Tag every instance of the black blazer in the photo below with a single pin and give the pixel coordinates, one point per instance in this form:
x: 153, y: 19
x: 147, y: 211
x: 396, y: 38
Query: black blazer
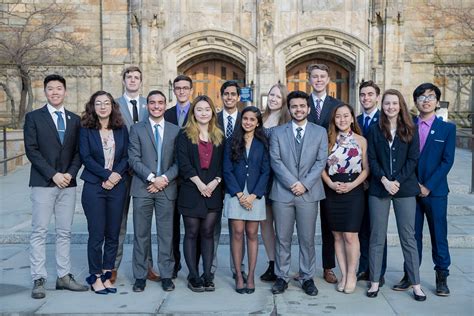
x: 375, y: 120
x: 172, y: 117
x: 45, y: 151
x: 396, y: 163
x: 220, y: 120
x: 92, y: 154
x: 328, y: 106
x: 189, y: 196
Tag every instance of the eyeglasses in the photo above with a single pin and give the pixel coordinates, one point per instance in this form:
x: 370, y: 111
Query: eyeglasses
x: 105, y: 104
x: 185, y: 89
x: 423, y: 98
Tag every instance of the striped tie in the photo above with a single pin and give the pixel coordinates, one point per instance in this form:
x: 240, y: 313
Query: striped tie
x: 318, y: 108
x: 61, y: 126
x: 229, y: 129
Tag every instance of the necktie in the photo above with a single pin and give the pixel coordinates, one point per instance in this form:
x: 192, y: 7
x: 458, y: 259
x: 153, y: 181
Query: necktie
x: 181, y: 118
x: 61, y: 126
x: 365, y: 128
x: 135, y: 110
x: 318, y: 108
x: 298, y: 134
x: 229, y: 129
x: 158, y: 149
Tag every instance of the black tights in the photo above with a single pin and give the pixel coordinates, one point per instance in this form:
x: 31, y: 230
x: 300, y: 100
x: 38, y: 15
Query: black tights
x: 203, y: 228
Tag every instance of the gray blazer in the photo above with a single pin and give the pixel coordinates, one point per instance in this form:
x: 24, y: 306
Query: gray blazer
x: 285, y: 163
x: 127, y: 116
x: 142, y: 158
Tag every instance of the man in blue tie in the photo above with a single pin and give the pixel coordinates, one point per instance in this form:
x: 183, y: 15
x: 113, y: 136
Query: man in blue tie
x: 51, y: 136
x: 153, y: 160
x: 369, y: 96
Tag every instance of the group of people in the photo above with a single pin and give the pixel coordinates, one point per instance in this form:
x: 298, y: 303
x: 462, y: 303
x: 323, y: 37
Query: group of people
x: 270, y: 170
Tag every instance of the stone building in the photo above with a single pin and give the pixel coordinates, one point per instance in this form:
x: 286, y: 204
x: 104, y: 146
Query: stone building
x: 397, y: 43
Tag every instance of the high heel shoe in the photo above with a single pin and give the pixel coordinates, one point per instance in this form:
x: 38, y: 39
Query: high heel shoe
x: 340, y: 287
x: 372, y: 294
x: 242, y: 290
x: 419, y: 298
x: 106, y: 276
x: 350, y: 289
x: 91, y: 280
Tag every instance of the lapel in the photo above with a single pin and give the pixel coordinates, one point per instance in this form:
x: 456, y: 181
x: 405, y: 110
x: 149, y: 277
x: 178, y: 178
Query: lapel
x: 49, y: 120
x: 327, y: 107
x: 375, y: 119
x: 220, y: 120
x: 151, y: 133
x: 360, y: 120
x: 98, y: 141
x: 143, y: 111
x: 166, y: 138
x: 124, y: 110
x: 118, y: 144
x: 253, y: 148
x: 290, y: 138
x: 68, y: 125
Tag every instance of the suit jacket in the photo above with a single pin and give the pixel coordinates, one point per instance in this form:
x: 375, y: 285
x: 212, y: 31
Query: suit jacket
x: 45, y: 151
x: 92, y: 154
x: 396, y: 163
x: 375, y: 120
x: 143, y: 158
x: 222, y: 125
x: 127, y: 116
x: 172, y: 117
x: 286, y: 169
x: 253, y: 169
x: 328, y: 106
x: 189, y: 196
x: 437, y: 157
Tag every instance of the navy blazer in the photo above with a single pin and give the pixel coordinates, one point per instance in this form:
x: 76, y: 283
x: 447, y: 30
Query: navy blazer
x: 437, y: 157
x: 396, y: 163
x: 222, y: 125
x: 92, y: 154
x: 375, y: 120
x: 328, y: 106
x: 253, y: 170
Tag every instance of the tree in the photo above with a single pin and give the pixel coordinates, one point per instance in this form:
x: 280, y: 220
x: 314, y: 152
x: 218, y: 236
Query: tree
x: 32, y: 35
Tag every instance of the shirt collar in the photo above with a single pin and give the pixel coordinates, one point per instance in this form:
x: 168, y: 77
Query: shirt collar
x: 161, y: 123
x: 225, y: 115
x: 185, y: 108
x: 428, y: 122
x: 315, y: 97
x: 371, y: 114
x: 295, y: 126
x: 52, y: 109
x: 125, y: 95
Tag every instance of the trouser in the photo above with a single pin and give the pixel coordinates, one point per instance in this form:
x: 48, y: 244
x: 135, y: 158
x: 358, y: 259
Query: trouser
x: 327, y: 247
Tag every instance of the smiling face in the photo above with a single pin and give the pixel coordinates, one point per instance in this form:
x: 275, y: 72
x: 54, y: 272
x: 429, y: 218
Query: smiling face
x: 368, y: 99
x: 249, y: 121
x: 319, y: 79
x: 343, y: 119
x: 203, y: 112
x: 103, y: 106
x: 156, y: 106
x: 230, y: 98
x: 275, y: 99
x: 391, y: 106
x: 55, y: 93
x: 132, y: 82
x: 427, y: 103
x: 299, y: 110
x: 182, y: 90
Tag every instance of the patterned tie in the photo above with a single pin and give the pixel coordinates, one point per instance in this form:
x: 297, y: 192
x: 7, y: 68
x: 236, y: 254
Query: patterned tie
x: 158, y: 149
x: 229, y: 129
x: 298, y: 134
x: 135, y: 110
x: 365, y: 128
x: 318, y: 108
x: 61, y: 126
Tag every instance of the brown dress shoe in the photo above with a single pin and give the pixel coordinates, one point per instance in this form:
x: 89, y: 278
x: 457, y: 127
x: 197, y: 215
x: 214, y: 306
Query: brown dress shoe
x: 152, y: 275
x: 329, y: 276
x: 113, y: 277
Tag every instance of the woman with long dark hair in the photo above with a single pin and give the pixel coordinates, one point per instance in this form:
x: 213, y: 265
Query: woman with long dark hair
x: 246, y: 172
x: 103, y: 146
x: 393, y: 155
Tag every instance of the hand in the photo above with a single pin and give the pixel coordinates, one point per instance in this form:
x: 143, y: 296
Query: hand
x: 203, y: 189
x: 108, y: 185
x: 345, y: 187
x: 160, y: 183
x: 115, y: 178
x: 60, y: 180
x: 424, y: 191
x: 244, y: 202
x: 68, y: 177
x: 298, y: 188
x: 151, y: 188
x: 392, y: 187
x: 211, y: 186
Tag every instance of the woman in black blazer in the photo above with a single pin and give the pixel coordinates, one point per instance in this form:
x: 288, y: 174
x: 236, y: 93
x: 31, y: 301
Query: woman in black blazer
x: 200, y: 150
x: 393, y: 154
x: 103, y: 145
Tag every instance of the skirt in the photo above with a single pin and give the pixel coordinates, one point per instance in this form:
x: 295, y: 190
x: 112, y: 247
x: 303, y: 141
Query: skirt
x: 233, y: 209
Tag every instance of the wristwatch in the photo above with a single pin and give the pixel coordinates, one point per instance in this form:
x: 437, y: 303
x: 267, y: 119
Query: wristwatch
x: 218, y: 179
x: 151, y: 180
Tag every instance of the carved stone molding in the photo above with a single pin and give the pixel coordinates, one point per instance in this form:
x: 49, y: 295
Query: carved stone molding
x: 67, y: 71
x: 454, y: 70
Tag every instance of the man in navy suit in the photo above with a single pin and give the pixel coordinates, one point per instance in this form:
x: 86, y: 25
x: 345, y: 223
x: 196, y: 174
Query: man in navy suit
x: 437, y: 148
x: 178, y: 115
x: 321, y: 107
x: 51, y: 136
x: 369, y: 96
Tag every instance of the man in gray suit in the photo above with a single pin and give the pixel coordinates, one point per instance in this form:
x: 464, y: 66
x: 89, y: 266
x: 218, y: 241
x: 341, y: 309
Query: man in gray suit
x: 153, y: 160
x: 133, y: 110
x: 298, y: 154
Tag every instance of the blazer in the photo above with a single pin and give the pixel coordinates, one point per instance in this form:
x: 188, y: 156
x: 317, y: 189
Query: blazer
x: 126, y: 115
x: 253, y: 170
x: 189, y: 196
x: 172, y: 117
x: 45, y: 151
x: 328, y: 106
x: 143, y: 158
x: 396, y: 163
x: 375, y: 120
x: 222, y: 125
x: 437, y: 157
x: 92, y: 155
x: 286, y: 169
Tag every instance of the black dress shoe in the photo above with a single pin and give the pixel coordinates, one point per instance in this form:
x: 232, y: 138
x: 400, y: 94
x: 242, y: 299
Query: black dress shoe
x: 167, y: 284
x: 107, y: 276
x: 244, y: 276
x: 250, y: 291
x: 381, y: 281
x: 209, y: 285
x: 403, y: 285
x: 91, y: 280
x: 139, y: 285
x: 372, y: 294
x: 279, y: 286
x: 441, y: 284
x: 269, y: 275
x: 309, y: 287
x: 363, y: 276
x: 196, y: 284
x: 419, y: 298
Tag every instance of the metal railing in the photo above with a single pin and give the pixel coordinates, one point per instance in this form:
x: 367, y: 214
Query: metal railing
x: 6, y: 159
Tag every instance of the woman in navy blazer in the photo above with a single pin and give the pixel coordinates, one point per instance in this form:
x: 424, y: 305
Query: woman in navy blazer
x: 246, y: 172
x: 103, y: 145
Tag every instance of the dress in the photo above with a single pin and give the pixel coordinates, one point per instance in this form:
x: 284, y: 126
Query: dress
x: 345, y: 211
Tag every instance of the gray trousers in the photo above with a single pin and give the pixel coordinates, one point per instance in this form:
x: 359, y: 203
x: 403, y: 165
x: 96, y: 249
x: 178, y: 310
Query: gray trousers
x: 379, y: 209
x: 142, y: 216
x: 46, y: 202
x: 217, y: 236
x: 304, y: 214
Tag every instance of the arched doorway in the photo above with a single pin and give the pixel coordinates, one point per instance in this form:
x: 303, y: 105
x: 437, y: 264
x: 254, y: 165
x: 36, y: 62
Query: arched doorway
x: 339, y: 73
x: 209, y: 72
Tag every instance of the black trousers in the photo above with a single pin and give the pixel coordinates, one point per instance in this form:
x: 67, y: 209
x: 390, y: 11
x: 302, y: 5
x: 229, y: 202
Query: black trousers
x: 328, y: 252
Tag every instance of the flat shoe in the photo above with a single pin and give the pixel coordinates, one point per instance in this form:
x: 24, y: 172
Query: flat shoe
x: 340, y: 287
x: 419, y: 298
